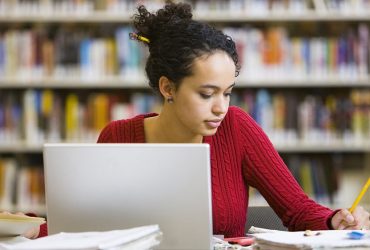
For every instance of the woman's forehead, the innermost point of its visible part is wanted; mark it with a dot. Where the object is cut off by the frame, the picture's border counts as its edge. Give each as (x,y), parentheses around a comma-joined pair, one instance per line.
(214,67)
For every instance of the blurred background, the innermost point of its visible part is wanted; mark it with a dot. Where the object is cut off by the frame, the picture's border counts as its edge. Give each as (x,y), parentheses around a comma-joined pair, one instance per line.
(68,67)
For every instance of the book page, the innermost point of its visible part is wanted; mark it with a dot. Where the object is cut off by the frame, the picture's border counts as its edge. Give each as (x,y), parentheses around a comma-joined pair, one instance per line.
(325,239)
(145,235)
(7,216)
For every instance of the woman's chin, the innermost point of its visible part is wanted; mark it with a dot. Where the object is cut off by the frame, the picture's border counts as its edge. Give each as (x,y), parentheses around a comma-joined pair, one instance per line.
(209,132)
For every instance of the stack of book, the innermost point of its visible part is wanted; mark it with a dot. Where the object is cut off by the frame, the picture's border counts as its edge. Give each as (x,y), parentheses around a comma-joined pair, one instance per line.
(13,224)
(145,237)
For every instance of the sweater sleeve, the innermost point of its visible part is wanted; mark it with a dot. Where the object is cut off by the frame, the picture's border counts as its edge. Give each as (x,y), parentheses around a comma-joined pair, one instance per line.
(43,230)
(264,169)
(107,135)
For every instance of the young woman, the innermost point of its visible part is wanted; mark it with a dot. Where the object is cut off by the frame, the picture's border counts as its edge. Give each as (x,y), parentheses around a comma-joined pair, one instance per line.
(194,67)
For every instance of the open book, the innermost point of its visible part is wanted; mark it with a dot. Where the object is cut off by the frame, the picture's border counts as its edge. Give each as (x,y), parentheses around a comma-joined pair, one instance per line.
(12,224)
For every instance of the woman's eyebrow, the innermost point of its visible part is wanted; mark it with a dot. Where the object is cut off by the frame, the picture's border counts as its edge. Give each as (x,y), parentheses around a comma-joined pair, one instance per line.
(211,86)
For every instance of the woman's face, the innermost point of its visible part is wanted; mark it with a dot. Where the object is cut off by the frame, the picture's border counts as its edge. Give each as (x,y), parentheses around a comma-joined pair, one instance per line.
(202,100)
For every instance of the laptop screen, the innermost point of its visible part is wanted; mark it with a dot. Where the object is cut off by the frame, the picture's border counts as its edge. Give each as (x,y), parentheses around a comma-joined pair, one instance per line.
(96,187)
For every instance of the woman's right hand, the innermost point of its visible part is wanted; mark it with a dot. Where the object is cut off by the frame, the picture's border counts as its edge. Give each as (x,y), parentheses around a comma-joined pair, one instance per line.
(345,220)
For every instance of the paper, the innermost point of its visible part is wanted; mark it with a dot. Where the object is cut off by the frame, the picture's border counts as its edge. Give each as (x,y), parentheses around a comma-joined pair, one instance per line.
(13,239)
(11,224)
(297,240)
(136,238)
(257,230)
(7,216)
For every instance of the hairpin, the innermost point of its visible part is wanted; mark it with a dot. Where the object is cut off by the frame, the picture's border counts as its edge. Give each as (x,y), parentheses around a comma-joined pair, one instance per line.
(134,36)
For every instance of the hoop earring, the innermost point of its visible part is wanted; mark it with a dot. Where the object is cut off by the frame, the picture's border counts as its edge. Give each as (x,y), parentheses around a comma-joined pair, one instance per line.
(170,100)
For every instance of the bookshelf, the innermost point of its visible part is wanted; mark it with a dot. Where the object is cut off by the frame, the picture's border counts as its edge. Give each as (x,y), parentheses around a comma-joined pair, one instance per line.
(113,82)
(97,27)
(89,11)
(295,147)
(214,16)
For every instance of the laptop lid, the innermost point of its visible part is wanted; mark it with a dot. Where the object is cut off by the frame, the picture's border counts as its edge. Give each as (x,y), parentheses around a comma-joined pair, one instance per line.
(97,187)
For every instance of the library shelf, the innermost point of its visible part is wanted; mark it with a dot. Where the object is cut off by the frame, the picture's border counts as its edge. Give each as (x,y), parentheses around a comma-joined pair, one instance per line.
(116,82)
(102,17)
(213,16)
(20,147)
(74,83)
(282,17)
(39,210)
(304,82)
(282,147)
(320,147)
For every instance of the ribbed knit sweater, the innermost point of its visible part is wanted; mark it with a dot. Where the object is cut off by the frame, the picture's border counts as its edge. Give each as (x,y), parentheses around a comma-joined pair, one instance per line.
(242,156)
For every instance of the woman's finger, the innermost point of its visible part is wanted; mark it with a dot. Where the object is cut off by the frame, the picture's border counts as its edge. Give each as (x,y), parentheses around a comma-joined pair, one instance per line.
(343,219)
(362,217)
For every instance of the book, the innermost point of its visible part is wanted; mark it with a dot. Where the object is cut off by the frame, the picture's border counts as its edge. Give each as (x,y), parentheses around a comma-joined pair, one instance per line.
(145,237)
(14,224)
(8,172)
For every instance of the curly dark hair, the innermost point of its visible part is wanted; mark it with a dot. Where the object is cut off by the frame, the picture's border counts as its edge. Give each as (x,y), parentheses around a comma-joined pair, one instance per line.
(176,40)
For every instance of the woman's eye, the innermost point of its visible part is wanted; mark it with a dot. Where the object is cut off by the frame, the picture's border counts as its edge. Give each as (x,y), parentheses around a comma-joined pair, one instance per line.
(205,96)
(228,94)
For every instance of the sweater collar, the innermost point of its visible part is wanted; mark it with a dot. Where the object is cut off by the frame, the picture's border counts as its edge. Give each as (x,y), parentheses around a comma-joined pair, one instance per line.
(140,131)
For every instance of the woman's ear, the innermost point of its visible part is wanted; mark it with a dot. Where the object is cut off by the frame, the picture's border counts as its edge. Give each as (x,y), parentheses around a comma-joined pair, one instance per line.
(167,88)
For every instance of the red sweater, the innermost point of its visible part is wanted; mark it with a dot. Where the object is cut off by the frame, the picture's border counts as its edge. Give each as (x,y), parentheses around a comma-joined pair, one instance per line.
(241,156)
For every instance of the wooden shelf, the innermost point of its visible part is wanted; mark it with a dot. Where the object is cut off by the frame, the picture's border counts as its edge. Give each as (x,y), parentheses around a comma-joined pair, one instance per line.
(322,147)
(74,83)
(141,83)
(212,16)
(97,17)
(38,210)
(281,16)
(298,147)
(20,147)
(304,82)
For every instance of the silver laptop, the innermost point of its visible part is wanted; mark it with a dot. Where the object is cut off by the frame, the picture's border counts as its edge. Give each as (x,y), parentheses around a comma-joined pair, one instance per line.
(96,187)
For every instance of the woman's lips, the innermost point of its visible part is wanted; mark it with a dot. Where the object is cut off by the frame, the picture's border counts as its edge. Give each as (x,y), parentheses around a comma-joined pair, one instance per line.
(214,123)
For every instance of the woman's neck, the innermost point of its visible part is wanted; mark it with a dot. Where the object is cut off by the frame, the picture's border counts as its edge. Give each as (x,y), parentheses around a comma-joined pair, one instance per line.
(164,129)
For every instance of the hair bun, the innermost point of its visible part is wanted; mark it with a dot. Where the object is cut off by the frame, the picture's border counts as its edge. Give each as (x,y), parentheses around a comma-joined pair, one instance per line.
(150,25)
(172,11)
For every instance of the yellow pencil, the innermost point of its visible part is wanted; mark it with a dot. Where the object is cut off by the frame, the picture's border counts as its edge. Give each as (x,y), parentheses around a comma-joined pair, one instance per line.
(359,197)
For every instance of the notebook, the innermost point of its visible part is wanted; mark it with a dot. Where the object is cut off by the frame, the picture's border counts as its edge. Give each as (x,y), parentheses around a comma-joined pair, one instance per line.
(99,187)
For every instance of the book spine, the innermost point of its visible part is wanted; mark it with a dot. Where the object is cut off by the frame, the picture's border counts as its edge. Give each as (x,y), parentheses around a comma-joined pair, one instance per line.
(310,119)
(30,193)
(265,54)
(31,125)
(71,117)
